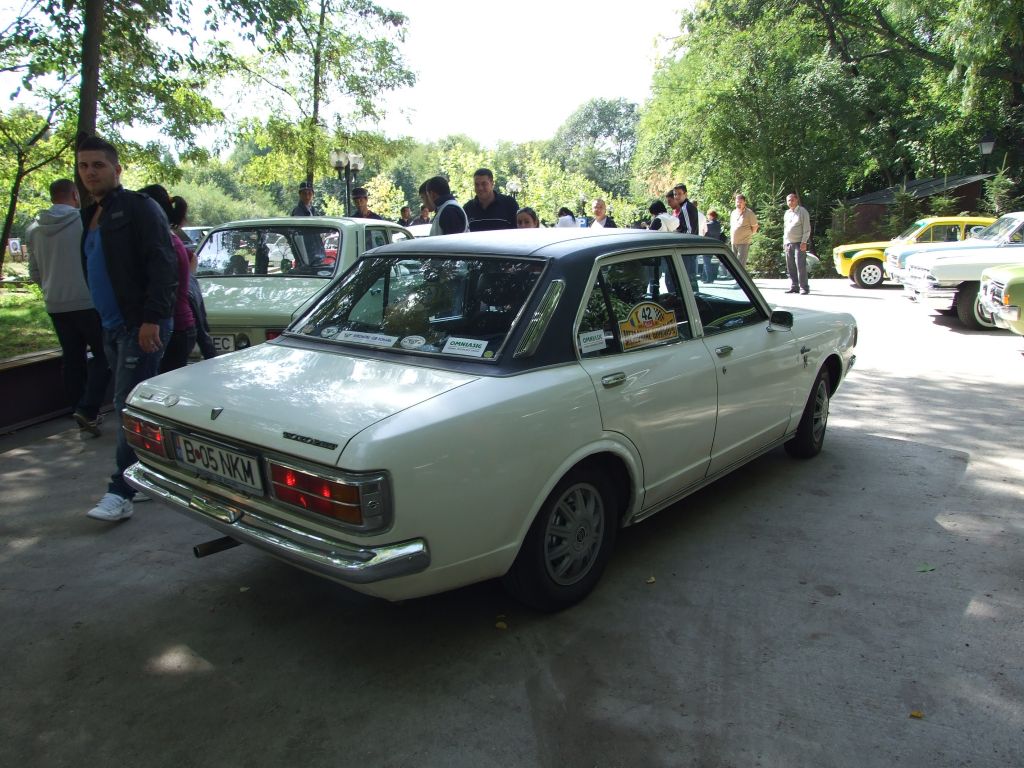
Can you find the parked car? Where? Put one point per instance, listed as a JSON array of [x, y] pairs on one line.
[[194, 237], [951, 280], [257, 275], [1002, 294], [864, 263], [999, 233], [499, 411]]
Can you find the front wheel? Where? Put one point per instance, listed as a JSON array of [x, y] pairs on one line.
[[869, 273], [568, 544], [810, 433], [969, 310]]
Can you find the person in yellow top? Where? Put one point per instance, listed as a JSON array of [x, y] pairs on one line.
[[742, 228]]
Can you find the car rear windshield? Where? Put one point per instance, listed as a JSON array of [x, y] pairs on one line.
[[279, 251], [438, 306]]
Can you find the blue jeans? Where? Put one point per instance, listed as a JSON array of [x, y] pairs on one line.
[[130, 365]]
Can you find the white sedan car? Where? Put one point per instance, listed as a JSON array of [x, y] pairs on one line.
[[258, 275], [489, 405]]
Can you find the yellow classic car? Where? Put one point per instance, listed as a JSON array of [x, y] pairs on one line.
[[864, 263]]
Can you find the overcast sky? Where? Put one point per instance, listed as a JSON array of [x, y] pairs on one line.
[[549, 57]]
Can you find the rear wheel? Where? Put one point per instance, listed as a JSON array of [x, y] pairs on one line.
[[568, 544], [810, 434], [869, 273], [969, 310]]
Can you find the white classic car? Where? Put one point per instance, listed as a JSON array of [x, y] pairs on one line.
[[1003, 232], [951, 280], [500, 409], [258, 275]]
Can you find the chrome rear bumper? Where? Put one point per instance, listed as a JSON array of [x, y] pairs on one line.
[[311, 551]]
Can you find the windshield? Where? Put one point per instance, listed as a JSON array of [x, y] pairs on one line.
[[1001, 229], [281, 251], [443, 305], [909, 231]]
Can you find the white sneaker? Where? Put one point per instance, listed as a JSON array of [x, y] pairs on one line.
[[112, 507]]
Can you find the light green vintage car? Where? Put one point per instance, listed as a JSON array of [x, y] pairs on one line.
[[258, 275], [1002, 294], [864, 263]]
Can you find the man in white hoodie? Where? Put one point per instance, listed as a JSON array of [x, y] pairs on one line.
[[55, 263]]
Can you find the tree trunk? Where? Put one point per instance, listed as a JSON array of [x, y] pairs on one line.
[[317, 79], [11, 208], [92, 39]]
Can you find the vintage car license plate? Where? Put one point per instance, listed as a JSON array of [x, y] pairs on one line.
[[229, 467], [223, 343]]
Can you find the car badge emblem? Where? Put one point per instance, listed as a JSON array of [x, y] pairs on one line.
[[215, 412]]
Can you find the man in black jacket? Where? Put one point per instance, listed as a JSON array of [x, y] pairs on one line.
[[489, 210], [689, 223], [132, 272]]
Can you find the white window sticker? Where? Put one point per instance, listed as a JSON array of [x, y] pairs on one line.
[[328, 333], [467, 347], [591, 341], [376, 339], [412, 342]]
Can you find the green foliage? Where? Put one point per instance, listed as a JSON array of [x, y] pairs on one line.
[[999, 194], [597, 141], [944, 204], [904, 210], [24, 324]]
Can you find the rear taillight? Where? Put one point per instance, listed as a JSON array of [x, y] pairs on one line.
[[324, 496], [144, 435]]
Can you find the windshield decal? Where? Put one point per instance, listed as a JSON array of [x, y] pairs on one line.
[[412, 342], [467, 347], [648, 323], [376, 339]]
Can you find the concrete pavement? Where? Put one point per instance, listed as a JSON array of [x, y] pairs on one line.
[[865, 608]]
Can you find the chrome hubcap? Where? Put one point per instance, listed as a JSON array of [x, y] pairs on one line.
[[574, 534]]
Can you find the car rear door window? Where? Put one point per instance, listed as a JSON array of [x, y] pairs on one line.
[[633, 304]]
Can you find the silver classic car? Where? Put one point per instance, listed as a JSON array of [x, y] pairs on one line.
[[490, 405]]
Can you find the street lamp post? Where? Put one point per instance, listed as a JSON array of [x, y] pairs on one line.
[[986, 145], [348, 165]]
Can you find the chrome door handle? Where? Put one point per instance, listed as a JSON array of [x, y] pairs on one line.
[[723, 351], [613, 379]]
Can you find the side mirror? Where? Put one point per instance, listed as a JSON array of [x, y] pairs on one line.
[[781, 320]]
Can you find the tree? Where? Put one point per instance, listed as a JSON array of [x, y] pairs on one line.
[[598, 141], [333, 50]]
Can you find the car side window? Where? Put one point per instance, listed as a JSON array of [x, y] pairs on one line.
[[633, 305], [726, 303], [375, 237]]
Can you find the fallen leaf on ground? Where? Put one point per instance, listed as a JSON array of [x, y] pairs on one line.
[[917, 714], [651, 579]]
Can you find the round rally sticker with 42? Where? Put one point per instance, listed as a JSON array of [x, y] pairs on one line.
[[648, 323]]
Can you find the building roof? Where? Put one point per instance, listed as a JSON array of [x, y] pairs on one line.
[[918, 189]]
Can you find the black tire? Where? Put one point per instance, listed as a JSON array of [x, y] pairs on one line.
[[568, 544], [810, 434], [969, 310], [869, 273]]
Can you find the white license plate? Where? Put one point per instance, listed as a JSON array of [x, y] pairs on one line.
[[229, 467], [223, 343]]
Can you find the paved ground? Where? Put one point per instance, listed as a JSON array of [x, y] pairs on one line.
[[802, 613]]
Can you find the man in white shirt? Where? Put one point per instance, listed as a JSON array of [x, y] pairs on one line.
[[796, 231]]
